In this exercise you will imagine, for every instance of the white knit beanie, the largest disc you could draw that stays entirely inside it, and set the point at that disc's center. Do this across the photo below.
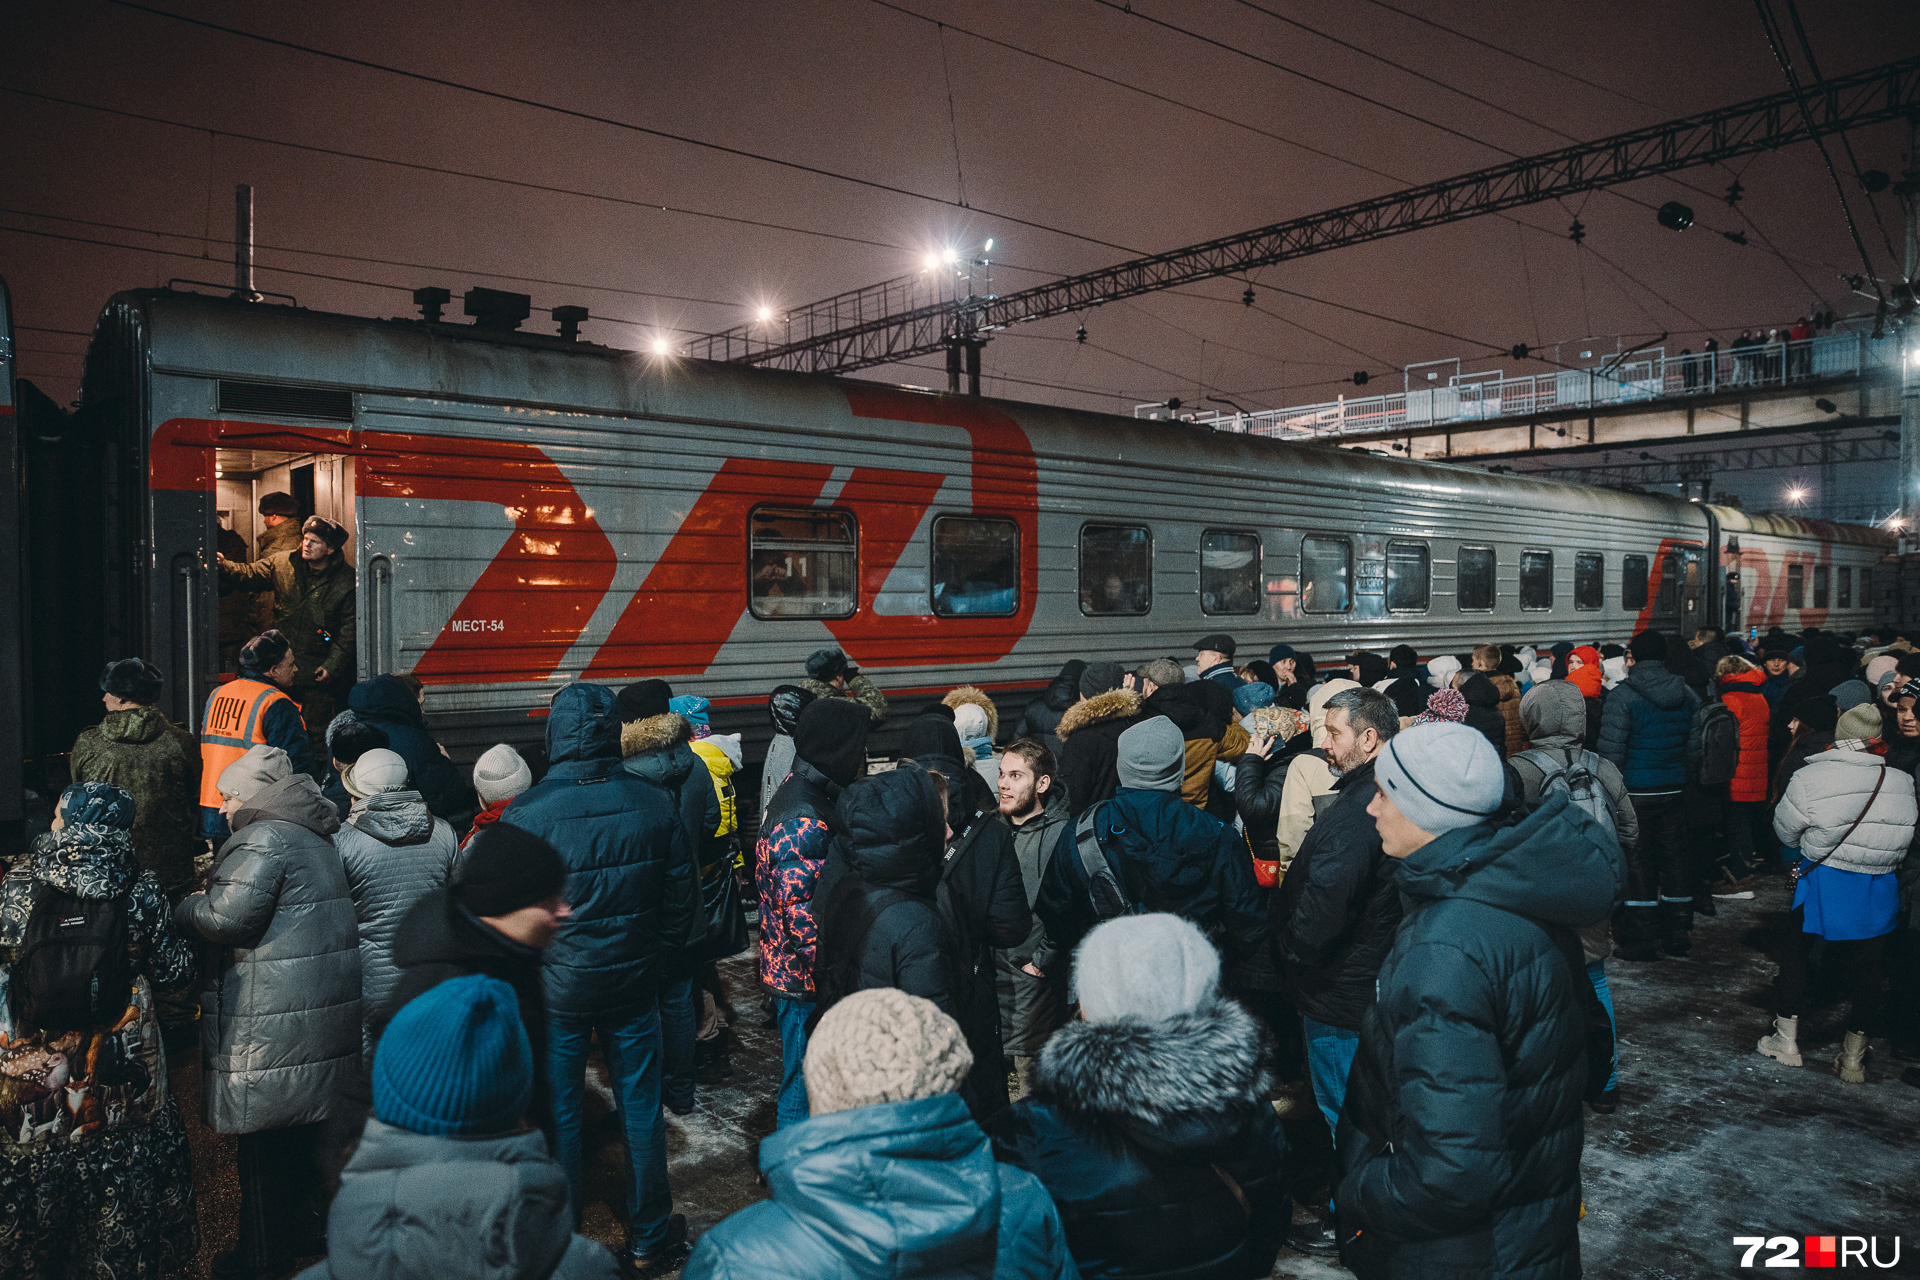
(500, 774)
(1147, 967)
(375, 771)
(1441, 670)
(1441, 777)
(883, 1045)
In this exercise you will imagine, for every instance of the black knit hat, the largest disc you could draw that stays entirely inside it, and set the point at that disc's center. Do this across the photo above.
(279, 504)
(642, 701)
(825, 665)
(508, 868)
(263, 653)
(1099, 678)
(831, 735)
(1819, 713)
(326, 530)
(1648, 646)
(133, 680)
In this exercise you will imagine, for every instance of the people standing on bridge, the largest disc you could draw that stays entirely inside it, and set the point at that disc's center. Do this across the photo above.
(796, 831)
(1710, 359)
(1461, 1150)
(1644, 732)
(635, 898)
(831, 674)
(251, 711)
(280, 1013)
(1090, 736)
(1689, 371)
(313, 607)
(96, 1178)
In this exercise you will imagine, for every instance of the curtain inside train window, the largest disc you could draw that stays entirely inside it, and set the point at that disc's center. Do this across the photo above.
(1536, 580)
(1796, 586)
(1822, 578)
(1409, 577)
(1229, 571)
(1326, 575)
(1116, 569)
(802, 563)
(1589, 579)
(1633, 583)
(976, 567)
(1846, 587)
(1474, 579)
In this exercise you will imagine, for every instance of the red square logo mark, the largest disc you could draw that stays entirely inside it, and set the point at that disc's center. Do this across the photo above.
(1819, 1252)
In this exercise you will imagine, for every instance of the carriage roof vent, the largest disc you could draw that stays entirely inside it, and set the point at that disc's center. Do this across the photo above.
(286, 400)
(497, 309)
(570, 319)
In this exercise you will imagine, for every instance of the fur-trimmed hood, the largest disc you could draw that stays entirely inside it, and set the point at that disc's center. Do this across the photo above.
(1114, 704)
(1208, 1063)
(655, 733)
(967, 693)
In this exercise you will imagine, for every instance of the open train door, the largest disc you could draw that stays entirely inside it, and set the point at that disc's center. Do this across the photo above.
(12, 640)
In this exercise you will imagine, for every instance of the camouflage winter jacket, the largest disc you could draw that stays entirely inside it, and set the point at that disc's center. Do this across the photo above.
(314, 609)
(158, 764)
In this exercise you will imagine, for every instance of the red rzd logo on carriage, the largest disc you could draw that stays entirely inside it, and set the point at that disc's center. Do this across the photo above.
(1818, 1251)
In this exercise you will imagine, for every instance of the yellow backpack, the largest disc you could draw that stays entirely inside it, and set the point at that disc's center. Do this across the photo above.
(720, 765)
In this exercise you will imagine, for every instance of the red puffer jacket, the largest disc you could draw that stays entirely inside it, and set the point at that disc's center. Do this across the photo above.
(1741, 693)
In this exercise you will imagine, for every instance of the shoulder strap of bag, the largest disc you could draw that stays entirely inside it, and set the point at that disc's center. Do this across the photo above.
(1102, 885)
(1852, 827)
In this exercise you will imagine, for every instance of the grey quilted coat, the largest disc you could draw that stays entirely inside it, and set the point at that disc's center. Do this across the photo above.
(395, 852)
(280, 1015)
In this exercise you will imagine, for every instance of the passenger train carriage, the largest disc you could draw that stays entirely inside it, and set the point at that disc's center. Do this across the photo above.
(527, 510)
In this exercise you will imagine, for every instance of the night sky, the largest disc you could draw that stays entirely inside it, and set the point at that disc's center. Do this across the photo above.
(863, 88)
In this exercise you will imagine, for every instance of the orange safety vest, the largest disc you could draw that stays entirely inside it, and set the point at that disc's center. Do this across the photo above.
(230, 727)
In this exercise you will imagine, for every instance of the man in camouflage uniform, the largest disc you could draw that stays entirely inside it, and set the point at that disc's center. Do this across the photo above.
(313, 607)
(280, 531)
(831, 675)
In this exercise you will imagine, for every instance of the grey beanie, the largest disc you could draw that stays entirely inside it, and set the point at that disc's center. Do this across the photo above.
(1147, 967)
(1153, 756)
(500, 774)
(254, 772)
(1441, 776)
(1851, 693)
(1099, 678)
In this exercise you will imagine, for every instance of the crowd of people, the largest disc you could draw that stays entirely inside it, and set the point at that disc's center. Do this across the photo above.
(1044, 996)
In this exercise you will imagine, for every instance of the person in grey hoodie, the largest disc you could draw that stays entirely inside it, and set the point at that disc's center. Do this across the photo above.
(446, 1180)
(280, 1008)
(1036, 809)
(395, 852)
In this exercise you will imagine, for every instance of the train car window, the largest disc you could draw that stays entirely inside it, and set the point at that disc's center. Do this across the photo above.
(1822, 577)
(1846, 587)
(1409, 577)
(1326, 575)
(1474, 578)
(1536, 580)
(1866, 589)
(1229, 571)
(1633, 583)
(802, 563)
(976, 567)
(1589, 579)
(1796, 586)
(1116, 569)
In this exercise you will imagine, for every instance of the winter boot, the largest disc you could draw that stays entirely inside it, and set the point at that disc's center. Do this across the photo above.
(1850, 1064)
(1784, 1043)
(713, 1058)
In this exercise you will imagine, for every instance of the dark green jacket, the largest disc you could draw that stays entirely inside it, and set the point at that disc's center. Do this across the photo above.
(284, 536)
(308, 607)
(158, 764)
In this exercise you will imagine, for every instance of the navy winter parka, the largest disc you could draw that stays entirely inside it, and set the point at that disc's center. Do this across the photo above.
(1645, 727)
(631, 879)
(390, 704)
(1460, 1141)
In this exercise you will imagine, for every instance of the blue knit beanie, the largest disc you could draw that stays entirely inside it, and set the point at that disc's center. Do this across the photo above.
(691, 705)
(1252, 696)
(455, 1061)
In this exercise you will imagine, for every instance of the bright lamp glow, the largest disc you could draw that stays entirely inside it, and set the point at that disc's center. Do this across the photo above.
(1796, 495)
(931, 261)
(661, 347)
(989, 244)
(950, 257)
(766, 314)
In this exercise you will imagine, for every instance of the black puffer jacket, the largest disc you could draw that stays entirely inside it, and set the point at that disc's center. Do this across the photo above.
(1483, 710)
(1335, 913)
(1041, 719)
(879, 922)
(1090, 746)
(1143, 1132)
(1460, 1142)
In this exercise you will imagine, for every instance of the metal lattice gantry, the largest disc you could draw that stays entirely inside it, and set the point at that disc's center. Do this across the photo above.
(901, 318)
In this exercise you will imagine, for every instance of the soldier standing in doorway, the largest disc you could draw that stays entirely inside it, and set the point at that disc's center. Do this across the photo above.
(313, 607)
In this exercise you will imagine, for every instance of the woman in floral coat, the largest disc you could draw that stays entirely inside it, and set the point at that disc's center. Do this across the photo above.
(95, 1178)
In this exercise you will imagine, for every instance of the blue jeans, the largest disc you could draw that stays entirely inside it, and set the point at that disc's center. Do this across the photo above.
(1330, 1053)
(632, 1046)
(1597, 975)
(792, 1016)
(676, 1041)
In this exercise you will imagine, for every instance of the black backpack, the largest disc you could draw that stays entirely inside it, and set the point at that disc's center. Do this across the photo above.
(1716, 741)
(72, 973)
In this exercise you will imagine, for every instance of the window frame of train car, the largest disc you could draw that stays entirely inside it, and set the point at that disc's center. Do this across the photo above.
(853, 548)
(1493, 577)
(1080, 592)
(1426, 576)
(1259, 569)
(1347, 585)
(1843, 587)
(1596, 564)
(1796, 585)
(934, 602)
(1536, 608)
(1822, 586)
(1641, 596)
